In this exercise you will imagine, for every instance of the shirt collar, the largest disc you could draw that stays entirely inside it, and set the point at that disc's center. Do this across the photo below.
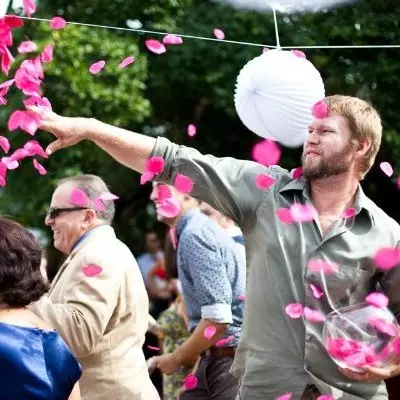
(184, 220)
(83, 237)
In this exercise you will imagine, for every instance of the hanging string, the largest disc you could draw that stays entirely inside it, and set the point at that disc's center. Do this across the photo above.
(278, 46)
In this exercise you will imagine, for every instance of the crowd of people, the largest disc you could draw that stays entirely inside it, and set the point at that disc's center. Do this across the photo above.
(218, 289)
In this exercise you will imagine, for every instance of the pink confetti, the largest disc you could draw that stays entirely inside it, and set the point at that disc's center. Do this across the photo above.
(219, 34)
(383, 326)
(47, 54)
(396, 346)
(27, 47)
(10, 164)
(183, 183)
(108, 196)
(19, 154)
(302, 212)
(299, 53)
(29, 7)
(154, 348)
(322, 266)
(146, 177)
(378, 300)
(28, 121)
(191, 130)
(387, 258)
(58, 23)
(172, 39)
(242, 297)
(169, 208)
(320, 110)
(97, 67)
(349, 213)
(294, 310)
(386, 168)
(266, 152)
(35, 149)
(155, 165)
(7, 84)
(286, 396)
(39, 167)
(284, 215)
(126, 61)
(13, 21)
(209, 332)
(316, 291)
(3, 174)
(190, 382)
(264, 181)
(79, 198)
(297, 173)
(4, 144)
(6, 60)
(163, 192)
(265, 49)
(98, 204)
(92, 270)
(155, 46)
(325, 397)
(313, 315)
(224, 341)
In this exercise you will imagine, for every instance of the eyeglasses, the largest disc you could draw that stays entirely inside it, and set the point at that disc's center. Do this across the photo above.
(54, 212)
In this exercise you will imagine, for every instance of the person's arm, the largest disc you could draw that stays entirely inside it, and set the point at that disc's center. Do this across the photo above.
(76, 393)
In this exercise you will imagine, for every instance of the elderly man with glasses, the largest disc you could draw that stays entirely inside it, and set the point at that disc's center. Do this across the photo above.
(97, 300)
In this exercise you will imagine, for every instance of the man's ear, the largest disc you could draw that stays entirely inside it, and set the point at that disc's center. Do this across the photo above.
(90, 216)
(363, 146)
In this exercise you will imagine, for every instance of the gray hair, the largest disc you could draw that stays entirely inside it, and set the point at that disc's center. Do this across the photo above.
(93, 186)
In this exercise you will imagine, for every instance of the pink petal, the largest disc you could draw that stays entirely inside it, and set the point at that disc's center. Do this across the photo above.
(47, 54)
(325, 397)
(4, 144)
(396, 346)
(30, 122)
(13, 21)
(219, 34)
(19, 154)
(79, 198)
(297, 173)
(242, 297)
(27, 47)
(163, 192)
(172, 39)
(299, 53)
(294, 310)
(169, 208)
(97, 67)
(154, 348)
(3, 101)
(302, 212)
(108, 196)
(320, 110)
(209, 332)
(385, 327)
(98, 204)
(155, 46)
(183, 183)
(146, 177)
(224, 341)
(6, 60)
(378, 300)
(7, 84)
(39, 167)
(2, 181)
(266, 152)
(316, 291)
(10, 164)
(92, 270)
(190, 382)
(284, 215)
(29, 7)
(15, 120)
(322, 266)
(265, 49)
(264, 181)
(286, 396)
(126, 61)
(313, 315)
(58, 23)
(191, 130)
(35, 149)
(349, 213)
(386, 168)
(387, 258)
(155, 165)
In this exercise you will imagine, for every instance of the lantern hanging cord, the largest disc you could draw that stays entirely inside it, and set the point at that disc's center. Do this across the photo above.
(278, 46)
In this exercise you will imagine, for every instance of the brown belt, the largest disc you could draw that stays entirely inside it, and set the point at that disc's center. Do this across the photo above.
(220, 351)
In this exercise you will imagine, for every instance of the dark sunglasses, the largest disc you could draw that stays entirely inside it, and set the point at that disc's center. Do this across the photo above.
(54, 212)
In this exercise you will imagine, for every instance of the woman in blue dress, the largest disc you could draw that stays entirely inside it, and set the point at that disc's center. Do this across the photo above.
(35, 363)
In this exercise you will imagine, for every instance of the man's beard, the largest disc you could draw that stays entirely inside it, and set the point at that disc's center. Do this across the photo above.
(338, 163)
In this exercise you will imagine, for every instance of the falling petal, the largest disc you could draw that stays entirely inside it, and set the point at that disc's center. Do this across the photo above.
(10, 164)
(183, 183)
(224, 341)
(127, 61)
(29, 7)
(396, 346)
(79, 198)
(190, 382)
(155, 46)
(302, 212)
(172, 39)
(92, 270)
(320, 110)
(191, 130)
(39, 167)
(108, 196)
(325, 397)
(242, 297)
(98, 204)
(58, 23)
(313, 315)
(286, 396)
(47, 54)
(169, 208)
(383, 326)
(265, 49)
(349, 213)
(35, 149)
(154, 348)
(146, 177)
(97, 67)
(13, 21)
(7, 84)
(209, 332)
(155, 165)
(264, 181)
(219, 34)
(14, 120)
(284, 215)
(378, 300)
(4, 144)
(297, 173)
(294, 310)
(387, 258)
(299, 53)
(316, 291)
(19, 154)
(6, 60)
(322, 266)
(27, 47)
(386, 168)
(266, 152)
(163, 192)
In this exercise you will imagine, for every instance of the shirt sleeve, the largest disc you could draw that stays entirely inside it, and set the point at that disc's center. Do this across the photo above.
(226, 184)
(209, 275)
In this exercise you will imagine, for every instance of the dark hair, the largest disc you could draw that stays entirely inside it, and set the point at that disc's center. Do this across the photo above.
(170, 258)
(21, 281)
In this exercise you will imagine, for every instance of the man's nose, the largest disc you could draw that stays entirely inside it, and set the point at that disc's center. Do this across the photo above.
(48, 221)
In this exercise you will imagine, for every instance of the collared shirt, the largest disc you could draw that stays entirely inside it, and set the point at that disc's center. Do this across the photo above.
(212, 273)
(277, 354)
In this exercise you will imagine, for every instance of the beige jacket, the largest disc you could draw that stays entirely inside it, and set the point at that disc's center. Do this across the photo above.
(102, 318)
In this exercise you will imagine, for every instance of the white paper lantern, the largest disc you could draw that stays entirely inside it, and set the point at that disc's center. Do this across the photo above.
(274, 96)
